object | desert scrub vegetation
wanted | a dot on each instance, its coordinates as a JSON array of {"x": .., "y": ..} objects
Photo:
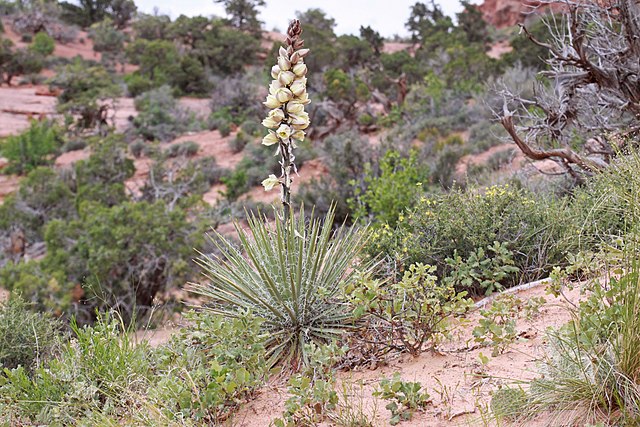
[
  {"x": 102, "y": 376},
  {"x": 87, "y": 94},
  {"x": 36, "y": 146},
  {"x": 403, "y": 316},
  {"x": 160, "y": 117},
  {"x": 29, "y": 339},
  {"x": 452, "y": 229}
]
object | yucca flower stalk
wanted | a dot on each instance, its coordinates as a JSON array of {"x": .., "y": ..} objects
[
  {"x": 290, "y": 273},
  {"x": 287, "y": 118}
]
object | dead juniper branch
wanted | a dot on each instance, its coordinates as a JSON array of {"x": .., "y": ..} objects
[{"x": 589, "y": 103}]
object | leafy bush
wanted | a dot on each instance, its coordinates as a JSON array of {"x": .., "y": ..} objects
[
  {"x": 138, "y": 84},
  {"x": 100, "y": 375},
  {"x": 483, "y": 272},
  {"x": 291, "y": 276},
  {"x": 497, "y": 325},
  {"x": 391, "y": 192},
  {"x": 34, "y": 147},
  {"x": 160, "y": 117},
  {"x": 42, "y": 44},
  {"x": 187, "y": 149},
  {"x": 101, "y": 177},
  {"x": 538, "y": 230},
  {"x": 405, "y": 397},
  {"x": 27, "y": 338},
  {"x": 126, "y": 277},
  {"x": 406, "y": 315},
  {"x": 312, "y": 396},
  {"x": 42, "y": 196},
  {"x": 18, "y": 63},
  {"x": 208, "y": 369},
  {"x": 88, "y": 91}
]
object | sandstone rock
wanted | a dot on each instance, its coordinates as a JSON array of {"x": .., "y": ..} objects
[{"x": 506, "y": 13}]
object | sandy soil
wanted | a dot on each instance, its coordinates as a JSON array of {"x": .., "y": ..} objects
[
  {"x": 19, "y": 104},
  {"x": 499, "y": 49},
  {"x": 81, "y": 46},
  {"x": 459, "y": 385}
]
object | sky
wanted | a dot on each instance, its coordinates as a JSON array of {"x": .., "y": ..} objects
[{"x": 385, "y": 16}]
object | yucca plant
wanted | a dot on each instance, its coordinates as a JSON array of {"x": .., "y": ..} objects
[{"x": 289, "y": 274}]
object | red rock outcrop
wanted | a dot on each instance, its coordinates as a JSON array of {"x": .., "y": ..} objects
[{"x": 506, "y": 13}]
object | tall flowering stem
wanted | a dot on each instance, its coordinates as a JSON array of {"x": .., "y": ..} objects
[{"x": 287, "y": 118}]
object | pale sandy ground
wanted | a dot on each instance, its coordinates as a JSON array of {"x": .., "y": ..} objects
[{"x": 460, "y": 387}]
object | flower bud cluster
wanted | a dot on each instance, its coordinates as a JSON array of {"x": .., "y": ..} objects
[
  {"x": 287, "y": 97},
  {"x": 287, "y": 119}
]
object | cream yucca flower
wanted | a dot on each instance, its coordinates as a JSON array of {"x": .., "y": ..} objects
[
  {"x": 284, "y": 95},
  {"x": 284, "y": 132},
  {"x": 286, "y": 77},
  {"x": 271, "y": 138},
  {"x": 270, "y": 182},
  {"x": 272, "y": 102},
  {"x": 287, "y": 98}
]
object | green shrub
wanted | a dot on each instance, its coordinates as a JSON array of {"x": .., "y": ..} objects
[
  {"x": 366, "y": 119},
  {"x": 538, "y": 230},
  {"x": 160, "y": 117},
  {"x": 239, "y": 142},
  {"x": 252, "y": 128},
  {"x": 497, "y": 325},
  {"x": 74, "y": 145},
  {"x": 235, "y": 184},
  {"x": 224, "y": 129},
  {"x": 606, "y": 207},
  {"x": 42, "y": 196},
  {"x": 291, "y": 276},
  {"x": 88, "y": 91},
  {"x": 27, "y": 338},
  {"x": 138, "y": 84},
  {"x": 313, "y": 398},
  {"x": 34, "y": 147},
  {"x": 137, "y": 148},
  {"x": 208, "y": 369},
  {"x": 42, "y": 44},
  {"x": 347, "y": 155},
  {"x": 483, "y": 272},
  {"x": 99, "y": 375},
  {"x": 407, "y": 315},
  {"x": 187, "y": 149},
  {"x": 390, "y": 193},
  {"x": 149, "y": 239},
  {"x": 405, "y": 398}
]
